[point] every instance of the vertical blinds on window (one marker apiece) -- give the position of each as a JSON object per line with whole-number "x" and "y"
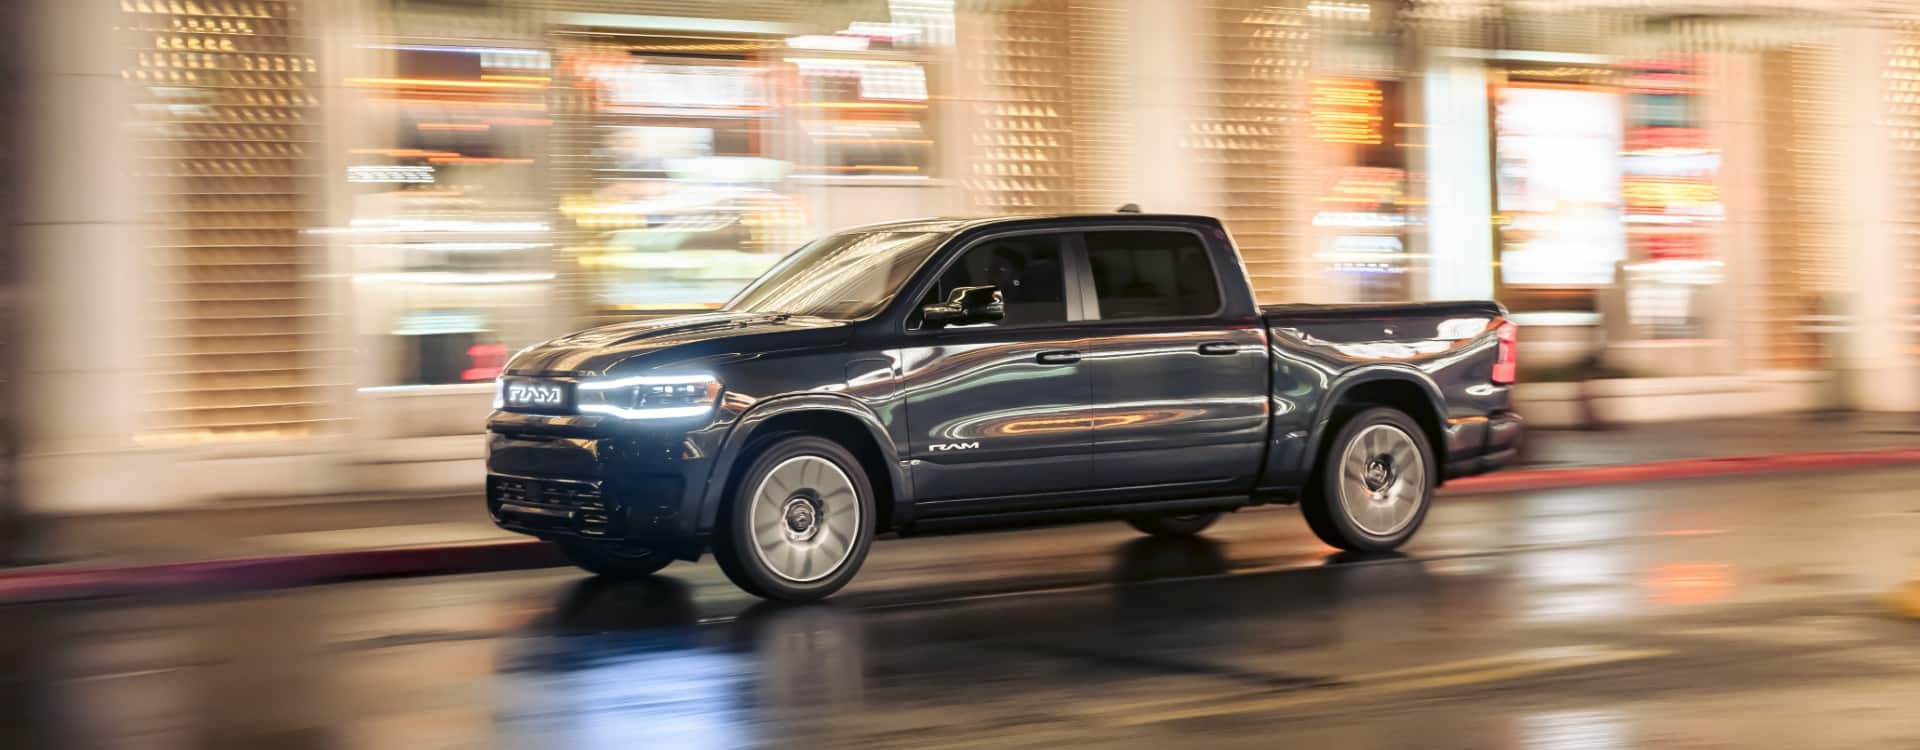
{"x": 1801, "y": 236}
{"x": 225, "y": 95}
{"x": 1023, "y": 158}
{"x": 1251, "y": 133}
{"x": 1903, "y": 112}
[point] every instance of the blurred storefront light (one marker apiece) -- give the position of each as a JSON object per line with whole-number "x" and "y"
{"x": 403, "y": 188}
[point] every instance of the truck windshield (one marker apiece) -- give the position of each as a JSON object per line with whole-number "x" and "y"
{"x": 846, "y": 276}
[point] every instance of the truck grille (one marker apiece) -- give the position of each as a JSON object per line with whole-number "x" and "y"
{"x": 583, "y": 495}
{"x": 552, "y": 504}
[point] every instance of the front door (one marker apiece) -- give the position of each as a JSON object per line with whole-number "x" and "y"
{"x": 999, "y": 410}
{"x": 1180, "y": 392}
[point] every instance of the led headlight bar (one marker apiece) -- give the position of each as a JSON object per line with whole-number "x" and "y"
{"x": 649, "y": 396}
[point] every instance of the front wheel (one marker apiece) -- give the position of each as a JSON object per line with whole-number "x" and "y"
{"x": 1373, "y": 486}
{"x": 799, "y": 521}
{"x": 612, "y": 561}
{"x": 1186, "y": 524}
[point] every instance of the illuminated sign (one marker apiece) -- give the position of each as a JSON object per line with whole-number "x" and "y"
{"x": 1347, "y": 111}
{"x": 689, "y": 89}
{"x": 386, "y": 173}
{"x": 1558, "y": 173}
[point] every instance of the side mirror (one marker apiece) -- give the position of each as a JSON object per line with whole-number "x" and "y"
{"x": 967, "y": 305}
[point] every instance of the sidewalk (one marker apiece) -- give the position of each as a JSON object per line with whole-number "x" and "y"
{"x": 260, "y": 544}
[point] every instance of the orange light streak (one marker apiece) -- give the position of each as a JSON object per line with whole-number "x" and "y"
{"x": 439, "y": 83}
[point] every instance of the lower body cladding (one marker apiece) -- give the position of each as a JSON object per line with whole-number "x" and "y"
{"x": 1482, "y": 444}
{"x": 640, "y": 491}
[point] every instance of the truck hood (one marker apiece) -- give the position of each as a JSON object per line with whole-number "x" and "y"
{"x": 640, "y": 344}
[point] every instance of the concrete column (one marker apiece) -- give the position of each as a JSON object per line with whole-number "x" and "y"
{"x": 1165, "y": 61}
{"x": 1876, "y": 367}
{"x": 1459, "y": 182}
{"x": 89, "y": 277}
{"x": 1734, "y": 121}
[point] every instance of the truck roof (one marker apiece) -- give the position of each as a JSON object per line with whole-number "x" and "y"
{"x": 957, "y": 223}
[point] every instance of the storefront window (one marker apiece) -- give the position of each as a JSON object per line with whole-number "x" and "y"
{"x": 686, "y": 154}
{"x": 678, "y": 204}
{"x": 1360, "y": 209}
{"x": 862, "y": 116}
{"x": 449, "y": 229}
{"x": 1673, "y": 202}
{"x": 1558, "y": 191}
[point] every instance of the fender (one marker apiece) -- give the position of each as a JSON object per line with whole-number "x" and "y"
{"x": 1337, "y": 391}
{"x": 757, "y": 417}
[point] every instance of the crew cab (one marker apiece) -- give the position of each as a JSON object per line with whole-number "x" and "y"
{"x": 944, "y": 374}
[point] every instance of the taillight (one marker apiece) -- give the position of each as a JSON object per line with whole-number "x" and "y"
{"x": 1506, "y": 365}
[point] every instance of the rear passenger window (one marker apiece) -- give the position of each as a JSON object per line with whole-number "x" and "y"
{"x": 1151, "y": 274}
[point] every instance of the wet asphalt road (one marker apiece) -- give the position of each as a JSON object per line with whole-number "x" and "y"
{"x": 1745, "y": 613}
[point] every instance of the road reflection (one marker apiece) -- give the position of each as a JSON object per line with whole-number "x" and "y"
{"x": 619, "y": 661}
{"x": 614, "y": 661}
{"x": 1078, "y": 636}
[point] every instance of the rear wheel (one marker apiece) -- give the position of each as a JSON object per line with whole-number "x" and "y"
{"x": 799, "y": 522}
{"x": 614, "y": 561}
{"x": 1372, "y": 488}
{"x": 1185, "y": 524}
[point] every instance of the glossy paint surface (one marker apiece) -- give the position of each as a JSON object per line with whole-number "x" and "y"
{"x": 987, "y": 417}
{"x": 1444, "y": 351}
{"x": 1180, "y": 403}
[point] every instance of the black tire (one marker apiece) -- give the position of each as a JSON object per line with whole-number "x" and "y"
{"x": 799, "y": 567}
{"x": 1173, "y": 525}
{"x": 1327, "y": 509}
{"x": 613, "y": 561}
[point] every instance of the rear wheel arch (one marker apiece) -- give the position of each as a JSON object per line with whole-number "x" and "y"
{"x": 1403, "y": 391}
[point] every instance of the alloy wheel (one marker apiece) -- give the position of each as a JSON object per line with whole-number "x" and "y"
{"x": 1383, "y": 480}
{"x": 805, "y": 516}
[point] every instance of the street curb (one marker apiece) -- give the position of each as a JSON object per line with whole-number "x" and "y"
{"x": 1684, "y": 468}
{"x": 286, "y": 571}
{"x": 272, "y": 572}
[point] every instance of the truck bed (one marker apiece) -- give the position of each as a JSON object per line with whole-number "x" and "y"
{"x": 1369, "y": 310}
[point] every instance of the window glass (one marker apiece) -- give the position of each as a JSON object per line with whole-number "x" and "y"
{"x": 1028, "y": 271}
{"x": 1148, "y": 274}
{"x": 846, "y": 276}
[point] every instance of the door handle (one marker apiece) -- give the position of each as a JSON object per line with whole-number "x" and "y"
{"x": 1218, "y": 348}
{"x": 1061, "y": 357}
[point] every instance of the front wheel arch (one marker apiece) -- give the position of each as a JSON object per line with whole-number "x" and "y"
{"x": 837, "y": 418}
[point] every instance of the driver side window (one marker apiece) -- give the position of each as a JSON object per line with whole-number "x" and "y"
{"x": 1027, "y": 270}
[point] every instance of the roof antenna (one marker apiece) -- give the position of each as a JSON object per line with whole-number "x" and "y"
{"x": 1130, "y": 208}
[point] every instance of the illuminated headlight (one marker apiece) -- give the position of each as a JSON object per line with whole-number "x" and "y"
{"x": 649, "y": 396}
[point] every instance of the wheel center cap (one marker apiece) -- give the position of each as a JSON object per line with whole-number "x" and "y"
{"x": 1379, "y": 473}
{"x": 801, "y": 516}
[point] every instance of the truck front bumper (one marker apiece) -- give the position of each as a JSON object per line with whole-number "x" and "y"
{"x": 559, "y": 478}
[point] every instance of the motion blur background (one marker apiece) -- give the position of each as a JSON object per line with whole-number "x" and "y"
{"x": 281, "y": 247}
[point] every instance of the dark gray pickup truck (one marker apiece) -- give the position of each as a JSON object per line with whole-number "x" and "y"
{"x": 941, "y": 374}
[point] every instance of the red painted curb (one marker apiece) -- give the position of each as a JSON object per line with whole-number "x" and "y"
{"x": 1685, "y": 468}
{"x": 241, "y": 574}
{"x": 271, "y": 572}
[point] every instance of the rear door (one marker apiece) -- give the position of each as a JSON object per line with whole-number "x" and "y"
{"x": 1179, "y": 387}
{"x": 1000, "y": 409}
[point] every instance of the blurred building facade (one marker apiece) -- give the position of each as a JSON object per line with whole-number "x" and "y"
{"x": 281, "y": 247}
